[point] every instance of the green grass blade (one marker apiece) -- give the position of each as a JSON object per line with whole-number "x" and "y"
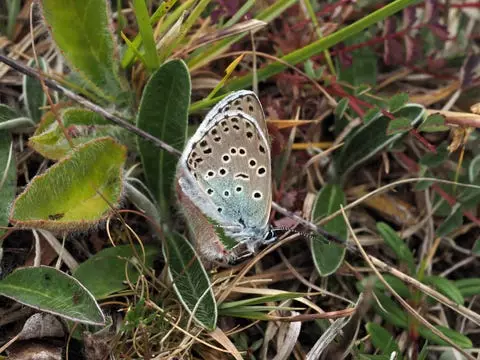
{"x": 267, "y": 15}
{"x": 129, "y": 55}
{"x": 321, "y": 45}
{"x": 146, "y": 32}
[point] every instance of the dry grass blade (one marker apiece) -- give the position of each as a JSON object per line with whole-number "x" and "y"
{"x": 405, "y": 304}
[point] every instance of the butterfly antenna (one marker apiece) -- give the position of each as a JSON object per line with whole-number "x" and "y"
{"x": 312, "y": 235}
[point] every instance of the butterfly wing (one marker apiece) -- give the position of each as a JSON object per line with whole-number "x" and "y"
{"x": 229, "y": 161}
{"x": 245, "y": 101}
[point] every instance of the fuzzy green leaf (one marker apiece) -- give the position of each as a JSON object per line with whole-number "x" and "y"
{"x": 81, "y": 125}
{"x": 190, "y": 280}
{"x": 81, "y": 29}
{"x": 50, "y": 290}
{"x": 163, "y": 113}
{"x": 77, "y": 192}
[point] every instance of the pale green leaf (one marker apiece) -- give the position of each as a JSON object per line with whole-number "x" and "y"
{"x": 328, "y": 257}
{"x": 163, "y": 113}
{"x": 115, "y": 262}
{"x": 190, "y": 280}
{"x": 77, "y": 192}
{"x": 50, "y": 290}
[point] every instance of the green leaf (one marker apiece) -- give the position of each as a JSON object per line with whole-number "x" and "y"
{"x": 340, "y": 108}
{"x": 370, "y": 138}
{"x": 146, "y": 32}
{"x": 458, "y": 338}
{"x": 314, "y": 74}
{"x": 190, "y": 280}
{"x": 452, "y": 222}
{"x": 77, "y": 192}
{"x": 363, "y": 67}
{"x": 81, "y": 29}
{"x": 50, "y": 290}
{"x": 399, "y": 125}
{"x": 33, "y": 96}
{"x": 446, "y": 287}
{"x": 81, "y": 125}
{"x": 397, "y": 245}
{"x": 163, "y": 113}
{"x": 260, "y": 300}
{"x": 433, "y": 123}
{"x": 382, "y": 339}
{"x": 328, "y": 257}
{"x": 7, "y": 113}
{"x": 371, "y": 114}
{"x": 468, "y": 287}
{"x": 8, "y": 178}
{"x": 389, "y": 310}
{"x": 397, "y": 102}
{"x": 115, "y": 263}
{"x": 433, "y": 160}
{"x": 396, "y": 284}
{"x": 130, "y": 53}
{"x": 205, "y": 56}
{"x": 474, "y": 169}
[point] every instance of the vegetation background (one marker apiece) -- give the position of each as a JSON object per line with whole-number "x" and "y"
{"x": 372, "y": 109}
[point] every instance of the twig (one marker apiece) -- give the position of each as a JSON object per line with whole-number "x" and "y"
{"x": 88, "y": 104}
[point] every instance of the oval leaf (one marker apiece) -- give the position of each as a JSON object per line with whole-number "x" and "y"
{"x": 371, "y": 138}
{"x": 458, "y": 338}
{"x": 82, "y": 32}
{"x": 397, "y": 245}
{"x": 382, "y": 339}
{"x": 328, "y": 257}
{"x": 113, "y": 261}
{"x": 77, "y": 192}
{"x": 468, "y": 287}
{"x": 446, "y": 287}
{"x": 163, "y": 113}
{"x": 190, "y": 280}
{"x": 52, "y": 291}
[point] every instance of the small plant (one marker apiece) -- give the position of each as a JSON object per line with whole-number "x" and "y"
{"x": 376, "y": 145}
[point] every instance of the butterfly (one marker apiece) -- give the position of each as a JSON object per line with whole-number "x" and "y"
{"x": 223, "y": 180}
